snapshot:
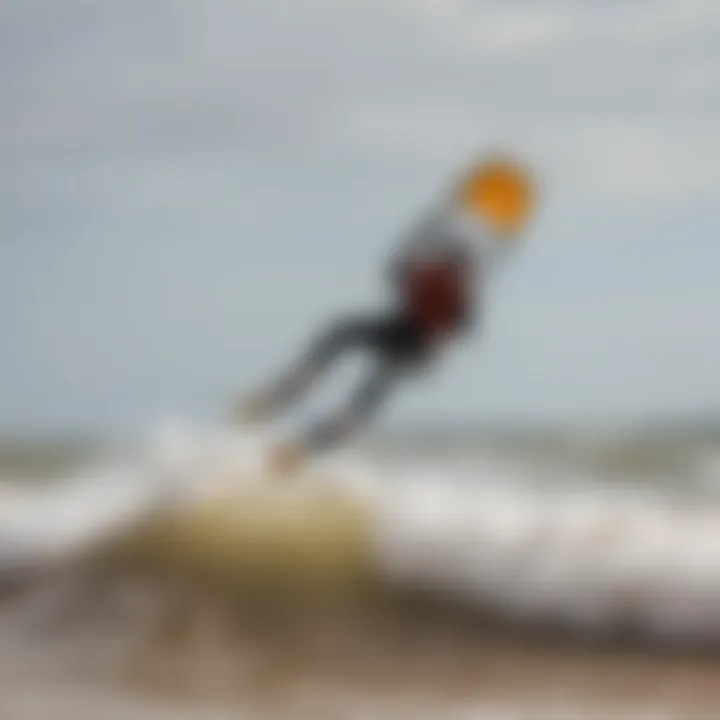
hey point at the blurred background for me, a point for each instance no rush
(189, 189)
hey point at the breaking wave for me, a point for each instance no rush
(201, 508)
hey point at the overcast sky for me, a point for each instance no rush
(189, 188)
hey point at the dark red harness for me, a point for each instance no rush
(436, 296)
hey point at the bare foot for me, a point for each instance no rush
(287, 459)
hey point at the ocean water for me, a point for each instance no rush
(432, 575)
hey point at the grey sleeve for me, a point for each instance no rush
(424, 238)
(433, 236)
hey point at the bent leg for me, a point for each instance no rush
(365, 402)
(339, 338)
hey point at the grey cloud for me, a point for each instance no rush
(426, 78)
(223, 142)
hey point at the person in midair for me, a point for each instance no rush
(438, 276)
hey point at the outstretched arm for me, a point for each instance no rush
(422, 241)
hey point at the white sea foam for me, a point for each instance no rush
(587, 557)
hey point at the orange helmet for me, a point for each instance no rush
(501, 191)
